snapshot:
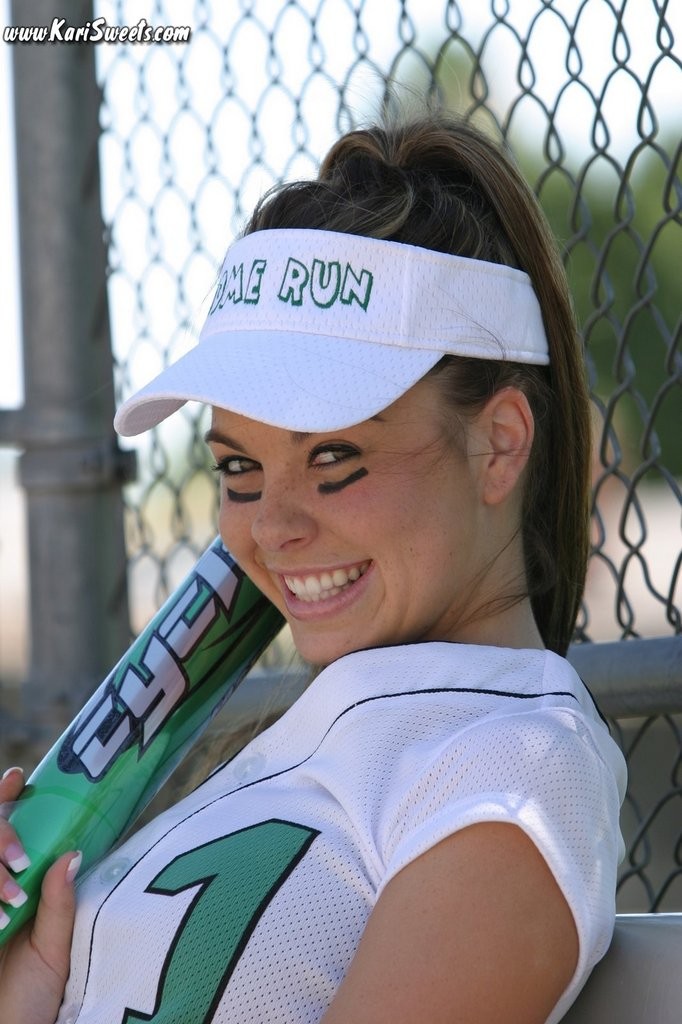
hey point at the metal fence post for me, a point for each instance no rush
(71, 466)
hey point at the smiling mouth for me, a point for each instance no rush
(322, 586)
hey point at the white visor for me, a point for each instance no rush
(317, 330)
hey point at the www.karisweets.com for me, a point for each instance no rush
(97, 31)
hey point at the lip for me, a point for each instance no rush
(313, 610)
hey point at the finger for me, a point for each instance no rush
(11, 785)
(6, 808)
(53, 926)
(12, 853)
(11, 894)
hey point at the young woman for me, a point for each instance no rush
(400, 426)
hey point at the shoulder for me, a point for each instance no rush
(443, 686)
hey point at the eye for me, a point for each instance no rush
(235, 469)
(331, 454)
(235, 465)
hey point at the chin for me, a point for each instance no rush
(322, 651)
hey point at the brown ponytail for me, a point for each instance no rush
(440, 183)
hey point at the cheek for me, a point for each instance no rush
(235, 530)
(409, 513)
(430, 530)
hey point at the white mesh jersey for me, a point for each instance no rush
(246, 901)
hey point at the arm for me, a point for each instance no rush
(474, 931)
(34, 965)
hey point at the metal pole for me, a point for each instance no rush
(71, 466)
(632, 677)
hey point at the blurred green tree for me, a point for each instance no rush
(619, 227)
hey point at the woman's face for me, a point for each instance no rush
(362, 537)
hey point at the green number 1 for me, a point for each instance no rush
(237, 876)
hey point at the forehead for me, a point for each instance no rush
(227, 425)
(418, 417)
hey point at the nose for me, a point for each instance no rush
(282, 519)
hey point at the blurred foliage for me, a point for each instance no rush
(620, 231)
(618, 226)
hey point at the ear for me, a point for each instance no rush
(506, 429)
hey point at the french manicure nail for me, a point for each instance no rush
(4, 919)
(13, 894)
(15, 768)
(74, 865)
(16, 857)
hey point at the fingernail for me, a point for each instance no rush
(4, 919)
(16, 857)
(74, 866)
(9, 771)
(13, 894)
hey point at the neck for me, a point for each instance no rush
(513, 626)
(498, 611)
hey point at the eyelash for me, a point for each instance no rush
(222, 465)
(340, 452)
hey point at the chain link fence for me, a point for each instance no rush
(586, 95)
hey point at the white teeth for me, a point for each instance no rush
(312, 586)
(326, 585)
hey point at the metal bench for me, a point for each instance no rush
(639, 981)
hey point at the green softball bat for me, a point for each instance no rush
(141, 720)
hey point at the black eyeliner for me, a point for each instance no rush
(237, 496)
(332, 488)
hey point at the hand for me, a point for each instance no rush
(34, 964)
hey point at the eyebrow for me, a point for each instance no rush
(297, 436)
(216, 437)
